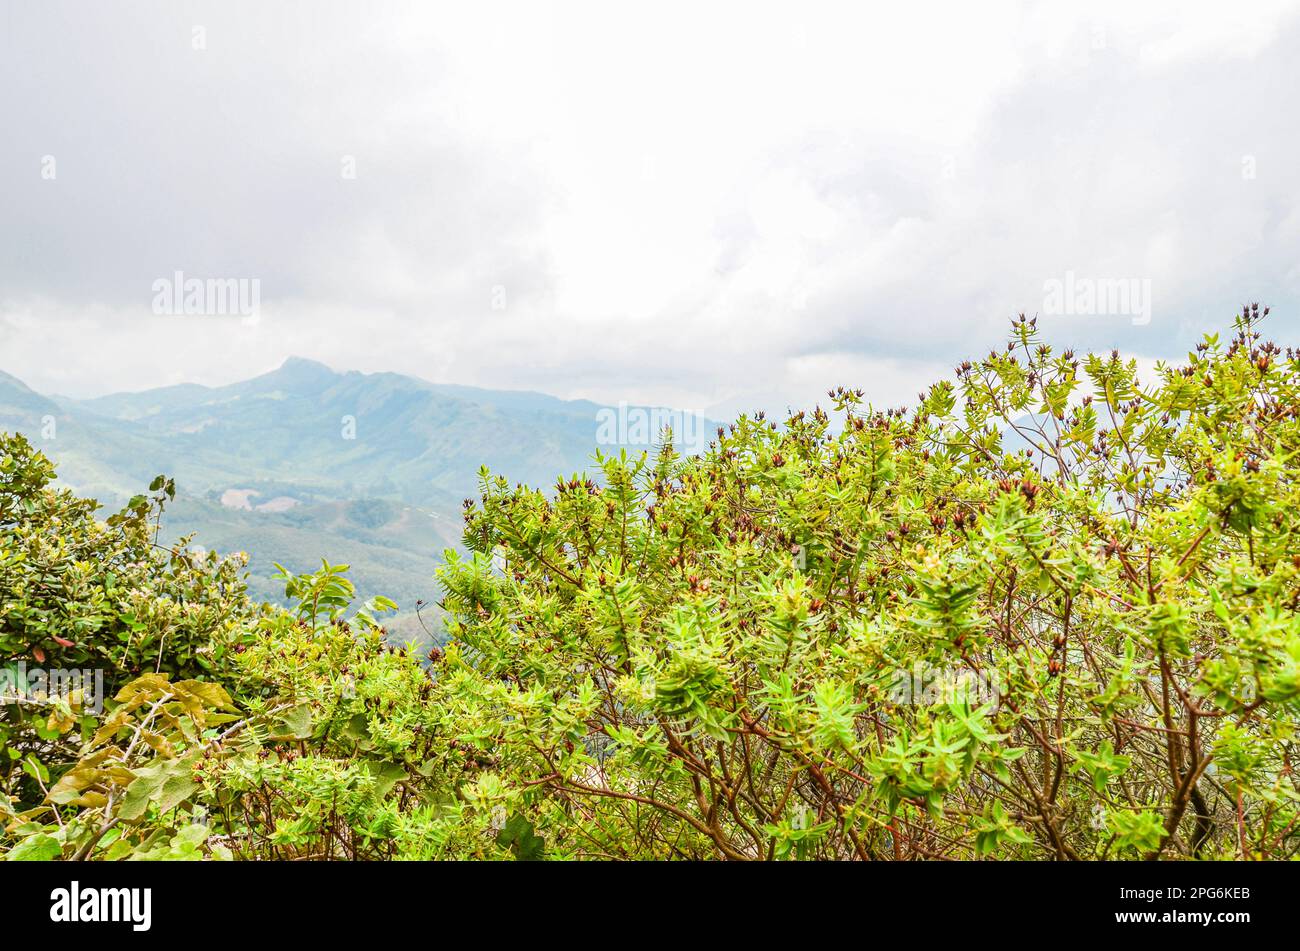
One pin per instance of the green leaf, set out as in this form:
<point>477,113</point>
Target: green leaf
<point>166,783</point>
<point>35,848</point>
<point>518,836</point>
<point>294,724</point>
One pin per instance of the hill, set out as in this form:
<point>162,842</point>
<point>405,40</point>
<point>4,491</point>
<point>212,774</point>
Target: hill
<point>307,462</point>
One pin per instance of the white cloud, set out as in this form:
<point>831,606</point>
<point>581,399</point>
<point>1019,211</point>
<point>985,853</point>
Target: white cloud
<point>690,204</point>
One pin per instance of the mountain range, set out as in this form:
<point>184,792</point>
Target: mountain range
<point>306,462</point>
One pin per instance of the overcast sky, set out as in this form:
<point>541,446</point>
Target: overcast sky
<point>703,205</point>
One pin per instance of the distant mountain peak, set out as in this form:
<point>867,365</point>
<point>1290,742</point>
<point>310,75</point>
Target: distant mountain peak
<point>297,373</point>
<point>303,363</point>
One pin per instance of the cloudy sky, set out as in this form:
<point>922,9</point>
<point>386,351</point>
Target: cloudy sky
<point>703,205</point>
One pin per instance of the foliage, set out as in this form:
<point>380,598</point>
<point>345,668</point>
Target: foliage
<point>77,594</point>
<point>1048,614</point>
<point>701,656</point>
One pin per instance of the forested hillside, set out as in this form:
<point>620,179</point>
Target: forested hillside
<point>306,463</point>
<point>864,633</point>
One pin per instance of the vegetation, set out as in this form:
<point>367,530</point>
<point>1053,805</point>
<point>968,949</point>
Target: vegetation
<point>1050,613</point>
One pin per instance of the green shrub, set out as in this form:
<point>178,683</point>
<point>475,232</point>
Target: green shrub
<point>80,595</point>
<point>702,656</point>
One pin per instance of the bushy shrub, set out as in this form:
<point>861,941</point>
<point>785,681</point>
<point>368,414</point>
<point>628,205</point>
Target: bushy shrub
<point>78,595</point>
<point>1093,582</point>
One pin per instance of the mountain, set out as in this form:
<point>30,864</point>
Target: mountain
<point>16,398</point>
<point>307,462</point>
<point>103,457</point>
<point>316,432</point>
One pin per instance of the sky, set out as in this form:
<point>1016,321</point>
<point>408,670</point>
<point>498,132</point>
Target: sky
<point>710,206</point>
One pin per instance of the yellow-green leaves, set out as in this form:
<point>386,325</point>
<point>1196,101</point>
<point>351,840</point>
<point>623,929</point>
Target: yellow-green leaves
<point>834,722</point>
<point>164,784</point>
<point>995,831</point>
<point>1103,765</point>
<point>1141,830</point>
<point>692,672</point>
<point>40,847</point>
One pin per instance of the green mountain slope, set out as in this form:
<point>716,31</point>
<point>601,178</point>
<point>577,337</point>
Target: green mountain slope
<point>348,435</point>
<point>305,462</point>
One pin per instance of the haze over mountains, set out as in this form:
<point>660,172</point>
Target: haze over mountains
<point>306,462</point>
